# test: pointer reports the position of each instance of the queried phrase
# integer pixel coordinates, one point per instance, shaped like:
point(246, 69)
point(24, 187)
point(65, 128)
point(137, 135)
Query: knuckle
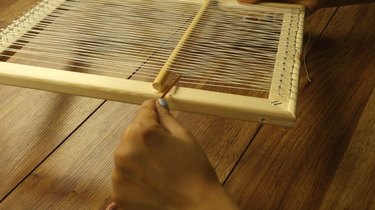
point(146, 130)
point(117, 178)
point(148, 104)
point(117, 198)
point(123, 160)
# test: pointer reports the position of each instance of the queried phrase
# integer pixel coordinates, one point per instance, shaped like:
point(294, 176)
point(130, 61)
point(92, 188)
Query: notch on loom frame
point(169, 87)
point(163, 75)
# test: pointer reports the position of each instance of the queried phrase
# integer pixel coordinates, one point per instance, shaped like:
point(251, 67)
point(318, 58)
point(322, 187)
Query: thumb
point(167, 120)
point(112, 206)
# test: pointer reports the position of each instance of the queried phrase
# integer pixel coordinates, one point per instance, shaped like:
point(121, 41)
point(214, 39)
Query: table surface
point(56, 150)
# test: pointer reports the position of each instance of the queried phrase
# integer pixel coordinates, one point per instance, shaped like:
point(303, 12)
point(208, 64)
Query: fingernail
point(163, 103)
point(112, 206)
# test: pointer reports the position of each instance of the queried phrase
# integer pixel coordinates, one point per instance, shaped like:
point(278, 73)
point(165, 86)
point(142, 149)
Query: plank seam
point(243, 153)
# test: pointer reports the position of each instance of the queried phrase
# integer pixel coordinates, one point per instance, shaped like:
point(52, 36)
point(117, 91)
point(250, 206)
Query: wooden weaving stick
point(163, 74)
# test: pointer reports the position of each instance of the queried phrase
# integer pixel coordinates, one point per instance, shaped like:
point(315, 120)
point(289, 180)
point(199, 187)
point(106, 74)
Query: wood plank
point(353, 186)
point(65, 180)
point(77, 174)
point(33, 123)
point(11, 9)
point(223, 140)
point(295, 168)
point(314, 25)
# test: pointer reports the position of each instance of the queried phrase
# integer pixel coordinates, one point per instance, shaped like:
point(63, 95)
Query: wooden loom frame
point(274, 110)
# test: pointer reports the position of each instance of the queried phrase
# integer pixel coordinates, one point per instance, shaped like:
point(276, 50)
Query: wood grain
point(315, 24)
point(353, 186)
point(296, 168)
point(11, 9)
point(223, 140)
point(33, 123)
point(78, 174)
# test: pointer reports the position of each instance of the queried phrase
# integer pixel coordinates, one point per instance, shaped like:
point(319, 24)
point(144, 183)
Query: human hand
point(160, 165)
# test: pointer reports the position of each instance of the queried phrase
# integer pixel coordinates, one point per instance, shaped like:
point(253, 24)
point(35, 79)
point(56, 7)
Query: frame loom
point(278, 108)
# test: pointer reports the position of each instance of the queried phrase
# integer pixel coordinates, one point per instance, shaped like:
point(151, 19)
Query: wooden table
point(56, 150)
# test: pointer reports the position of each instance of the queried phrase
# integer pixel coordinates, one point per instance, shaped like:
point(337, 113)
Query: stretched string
point(305, 57)
point(219, 33)
point(232, 47)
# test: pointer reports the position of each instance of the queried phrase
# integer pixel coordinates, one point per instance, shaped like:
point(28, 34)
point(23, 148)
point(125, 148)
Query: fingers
point(169, 122)
point(147, 114)
point(142, 127)
point(163, 103)
point(166, 119)
point(152, 121)
point(112, 206)
point(146, 122)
